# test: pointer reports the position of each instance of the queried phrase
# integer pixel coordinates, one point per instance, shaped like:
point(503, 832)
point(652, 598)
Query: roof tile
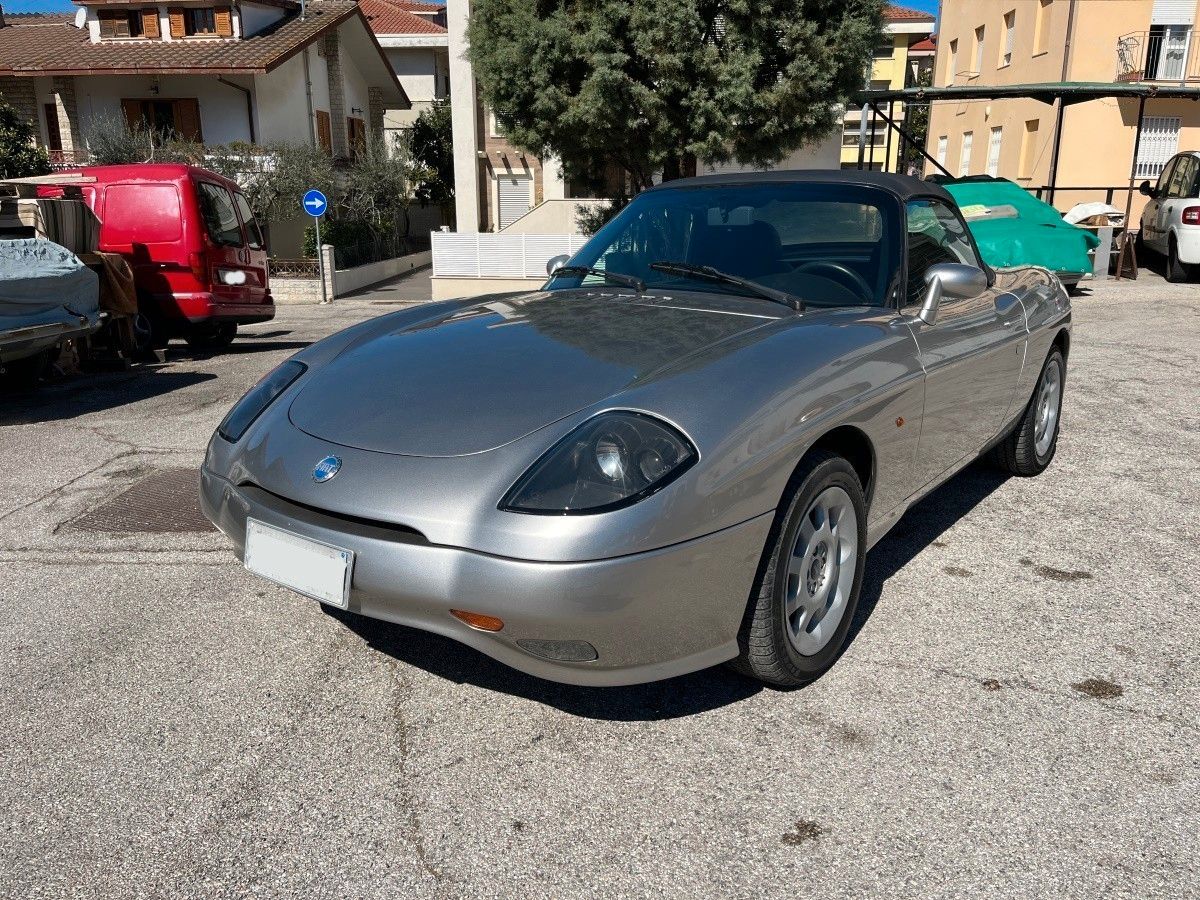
point(394, 17)
point(55, 46)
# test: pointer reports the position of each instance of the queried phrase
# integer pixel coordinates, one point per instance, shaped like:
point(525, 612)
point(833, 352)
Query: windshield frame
point(890, 208)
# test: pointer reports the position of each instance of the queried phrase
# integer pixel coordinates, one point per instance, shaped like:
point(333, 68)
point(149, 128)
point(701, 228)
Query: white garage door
point(515, 197)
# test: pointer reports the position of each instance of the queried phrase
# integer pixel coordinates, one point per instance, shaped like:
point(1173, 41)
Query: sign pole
point(314, 203)
point(320, 260)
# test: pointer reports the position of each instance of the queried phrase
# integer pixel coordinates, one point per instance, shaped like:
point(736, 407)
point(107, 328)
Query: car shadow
point(917, 529)
point(237, 348)
point(689, 694)
point(89, 392)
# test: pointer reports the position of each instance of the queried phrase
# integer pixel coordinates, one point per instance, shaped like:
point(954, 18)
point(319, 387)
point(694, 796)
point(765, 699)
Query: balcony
point(1163, 54)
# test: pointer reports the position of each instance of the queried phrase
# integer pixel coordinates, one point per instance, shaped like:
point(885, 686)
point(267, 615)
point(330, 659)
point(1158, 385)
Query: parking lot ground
point(1018, 714)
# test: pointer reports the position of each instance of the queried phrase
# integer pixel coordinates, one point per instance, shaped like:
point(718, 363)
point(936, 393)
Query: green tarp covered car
point(1014, 228)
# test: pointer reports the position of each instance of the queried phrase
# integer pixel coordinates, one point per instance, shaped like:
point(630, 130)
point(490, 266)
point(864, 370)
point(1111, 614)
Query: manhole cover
point(167, 501)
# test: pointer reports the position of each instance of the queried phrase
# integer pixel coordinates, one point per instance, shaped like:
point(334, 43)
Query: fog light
point(478, 621)
point(566, 651)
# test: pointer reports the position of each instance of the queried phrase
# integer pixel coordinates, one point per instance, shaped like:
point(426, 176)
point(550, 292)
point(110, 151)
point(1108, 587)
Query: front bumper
point(649, 616)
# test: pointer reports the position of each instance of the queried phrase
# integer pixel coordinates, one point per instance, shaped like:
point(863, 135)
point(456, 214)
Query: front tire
point(806, 596)
point(1029, 447)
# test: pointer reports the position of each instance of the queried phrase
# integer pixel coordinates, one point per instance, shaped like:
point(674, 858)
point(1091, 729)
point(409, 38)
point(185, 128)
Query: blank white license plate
point(317, 570)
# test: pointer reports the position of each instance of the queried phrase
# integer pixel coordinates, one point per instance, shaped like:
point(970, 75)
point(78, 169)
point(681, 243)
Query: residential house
point(211, 71)
point(904, 51)
point(1005, 42)
point(414, 39)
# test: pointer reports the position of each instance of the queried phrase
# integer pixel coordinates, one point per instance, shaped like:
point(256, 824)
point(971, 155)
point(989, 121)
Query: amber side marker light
point(478, 621)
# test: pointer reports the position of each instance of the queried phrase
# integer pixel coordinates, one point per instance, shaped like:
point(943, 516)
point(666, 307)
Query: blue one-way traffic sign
point(314, 203)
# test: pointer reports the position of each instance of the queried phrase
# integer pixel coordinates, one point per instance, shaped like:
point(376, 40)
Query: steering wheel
point(845, 274)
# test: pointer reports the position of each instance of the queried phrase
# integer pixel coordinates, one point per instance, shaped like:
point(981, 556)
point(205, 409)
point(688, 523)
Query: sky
point(16, 6)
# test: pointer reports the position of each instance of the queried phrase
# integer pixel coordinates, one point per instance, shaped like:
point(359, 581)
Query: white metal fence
point(499, 255)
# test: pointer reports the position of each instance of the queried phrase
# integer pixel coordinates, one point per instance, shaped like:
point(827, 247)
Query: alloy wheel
point(820, 571)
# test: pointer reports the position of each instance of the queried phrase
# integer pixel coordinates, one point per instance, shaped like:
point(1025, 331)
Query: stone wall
point(20, 94)
point(337, 93)
point(63, 92)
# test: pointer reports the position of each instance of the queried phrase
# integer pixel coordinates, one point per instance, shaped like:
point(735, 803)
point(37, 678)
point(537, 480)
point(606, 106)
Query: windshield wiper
point(615, 277)
point(708, 273)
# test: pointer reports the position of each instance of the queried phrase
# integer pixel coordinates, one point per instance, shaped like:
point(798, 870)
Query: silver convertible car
point(676, 453)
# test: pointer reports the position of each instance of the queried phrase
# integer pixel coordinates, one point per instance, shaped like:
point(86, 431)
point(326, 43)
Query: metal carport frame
point(1060, 94)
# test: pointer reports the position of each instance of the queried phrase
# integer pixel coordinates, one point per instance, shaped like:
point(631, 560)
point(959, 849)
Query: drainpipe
point(249, 103)
point(312, 115)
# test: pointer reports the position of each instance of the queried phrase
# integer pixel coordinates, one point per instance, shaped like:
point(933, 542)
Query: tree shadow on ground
point(688, 694)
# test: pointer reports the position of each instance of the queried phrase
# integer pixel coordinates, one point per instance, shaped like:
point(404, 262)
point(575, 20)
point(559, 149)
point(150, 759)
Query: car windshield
point(824, 244)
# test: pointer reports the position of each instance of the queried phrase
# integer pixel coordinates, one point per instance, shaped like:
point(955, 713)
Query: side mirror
point(1146, 188)
point(554, 263)
point(950, 280)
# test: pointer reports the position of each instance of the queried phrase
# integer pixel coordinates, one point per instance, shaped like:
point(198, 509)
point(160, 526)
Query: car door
point(1151, 224)
point(227, 244)
point(971, 355)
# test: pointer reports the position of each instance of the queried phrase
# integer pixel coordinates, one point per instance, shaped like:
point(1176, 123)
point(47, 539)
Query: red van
point(197, 254)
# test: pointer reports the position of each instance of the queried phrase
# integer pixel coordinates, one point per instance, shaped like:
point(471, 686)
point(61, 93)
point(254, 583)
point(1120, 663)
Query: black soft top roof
point(902, 186)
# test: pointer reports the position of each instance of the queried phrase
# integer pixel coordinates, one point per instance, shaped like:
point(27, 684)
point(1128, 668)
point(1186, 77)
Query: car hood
point(487, 374)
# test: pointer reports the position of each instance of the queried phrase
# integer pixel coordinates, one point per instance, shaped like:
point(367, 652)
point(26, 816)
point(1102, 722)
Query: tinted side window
point(935, 235)
point(253, 234)
point(216, 207)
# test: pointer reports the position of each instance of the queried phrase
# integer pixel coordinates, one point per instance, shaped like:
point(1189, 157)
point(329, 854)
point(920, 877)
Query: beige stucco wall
point(1098, 136)
point(453, 288)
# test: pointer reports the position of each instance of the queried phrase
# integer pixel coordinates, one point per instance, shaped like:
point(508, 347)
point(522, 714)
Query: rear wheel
point(150, 333)
point(1177, 272)
point(807, 593)
point(1030, 446)
point(212, 335)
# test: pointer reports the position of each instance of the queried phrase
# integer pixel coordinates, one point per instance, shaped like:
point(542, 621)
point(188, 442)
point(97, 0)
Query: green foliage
point(274, 177)
point(19, 156)
point(377, 185)
point(338, 232)
point(655, 87)
point(432, 149)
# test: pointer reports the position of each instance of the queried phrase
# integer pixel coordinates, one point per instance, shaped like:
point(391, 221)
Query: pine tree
point(652, 88)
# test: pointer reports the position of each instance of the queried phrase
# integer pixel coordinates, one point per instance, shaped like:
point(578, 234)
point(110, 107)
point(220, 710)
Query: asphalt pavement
point(1018, 714)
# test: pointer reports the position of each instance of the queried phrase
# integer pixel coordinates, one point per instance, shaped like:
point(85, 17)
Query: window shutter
point(324, 132)
point(224, 19)
point(187, 120)
point(150, 22)
point(132, 109)
point(175, 16)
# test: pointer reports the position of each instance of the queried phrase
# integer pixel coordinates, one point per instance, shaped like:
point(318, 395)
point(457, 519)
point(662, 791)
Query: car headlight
point(608, 462)
point(258, 398)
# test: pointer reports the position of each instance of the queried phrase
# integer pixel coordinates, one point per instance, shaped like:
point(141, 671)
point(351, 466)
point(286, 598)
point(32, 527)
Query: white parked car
point(1171, 220)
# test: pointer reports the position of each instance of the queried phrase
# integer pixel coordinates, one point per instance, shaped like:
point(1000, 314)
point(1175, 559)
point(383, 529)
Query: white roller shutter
point(1173, 12)
point(1160, 140)
point(515, 197)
